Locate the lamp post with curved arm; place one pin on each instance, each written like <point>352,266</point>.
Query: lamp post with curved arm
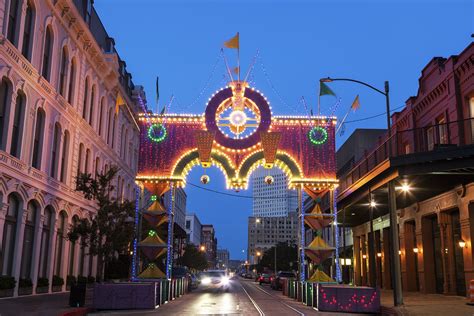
<point>392,206</point>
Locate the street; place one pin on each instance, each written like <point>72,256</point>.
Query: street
<point>244,297</point>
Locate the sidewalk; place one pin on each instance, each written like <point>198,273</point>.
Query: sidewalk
<point>418,304</point>
<point>37,305</point>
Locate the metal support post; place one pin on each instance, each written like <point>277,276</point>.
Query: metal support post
<point>395,262</point>
<point>301,237</point>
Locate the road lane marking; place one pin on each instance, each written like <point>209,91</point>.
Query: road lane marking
<point>253,302</point>
<point>269,294</point>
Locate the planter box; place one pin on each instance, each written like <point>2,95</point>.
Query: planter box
<point>42,289</point>
<point>57,288</point>
<point>25,291</point>
<point>6,293</point>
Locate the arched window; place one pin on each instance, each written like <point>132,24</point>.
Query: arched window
<point>109,127</point>
<point>28,240</point>
<point>106,167</point>
<point>97,166</point>
<point>55,150</point>
<point>28,31</point>
<point>122,140</point>
<point>47,53</point>
<point>86,94</point>
<point>5,95</point>
<point>63,72</point>
<point>64,157</point>
<point>88,157</point>
<point>60,237</point>
<point>101,112</point>
<point>38,139</point>
<point>72,82</point>
<point>13,17</point>
<point>91,107</point>
<point>9,234</point>
<point>72,247</point>
<point>113,130</point>
<point>17,130</point>
<point>45,237</point>
<point>79,159</point>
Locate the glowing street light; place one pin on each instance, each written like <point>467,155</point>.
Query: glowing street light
<point>202,248</point>
<point>462,243</point>
<point>258,253</point>
<point>373,203</point>
<point>405,188</point>
<point>257,220</point>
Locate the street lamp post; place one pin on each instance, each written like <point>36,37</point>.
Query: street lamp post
<point>392,203</point>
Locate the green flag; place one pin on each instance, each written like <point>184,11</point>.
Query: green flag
<point>325,90</point>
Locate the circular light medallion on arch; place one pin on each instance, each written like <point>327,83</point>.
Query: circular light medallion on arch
<point>157,133</point>
<point>237,114</point>
<point>318,135</point>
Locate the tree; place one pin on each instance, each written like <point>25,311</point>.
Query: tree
<point>193,258</point>
<point>110,230</point>
<point>287,258</point>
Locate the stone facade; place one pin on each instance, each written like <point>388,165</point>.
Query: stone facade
<point>60,80</point>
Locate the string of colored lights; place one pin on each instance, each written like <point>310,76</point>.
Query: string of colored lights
<point>135,239</point>
<point>270,82</point>
<point>169,254</point>
<point>336,237</point>
<point>204,88</point>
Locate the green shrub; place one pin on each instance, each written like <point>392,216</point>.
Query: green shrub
<point>42,282</point>
<point>57,280</point>
<point>81,279</point>
<point>7,282</point>
<point>90,279</point>
<point>25,283</point>
<point>70,280</point>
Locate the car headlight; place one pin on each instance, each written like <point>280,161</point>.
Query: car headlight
<point>206,281</point>
<point>225,280</point>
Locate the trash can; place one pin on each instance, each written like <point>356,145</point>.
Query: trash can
<point>77,295</point>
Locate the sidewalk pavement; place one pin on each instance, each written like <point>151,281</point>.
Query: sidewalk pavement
<point>419,304</point>
<point>39,305</point>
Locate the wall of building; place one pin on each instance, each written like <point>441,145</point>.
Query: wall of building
<point>193,229</point>
<point>265,232</point>
<point>82,131</point>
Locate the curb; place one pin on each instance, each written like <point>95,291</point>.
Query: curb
<point>81,311</point>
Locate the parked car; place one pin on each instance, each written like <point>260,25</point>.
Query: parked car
<point>264,278</point>
<point>277,281</point>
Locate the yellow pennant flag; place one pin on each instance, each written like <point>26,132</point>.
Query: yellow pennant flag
<point>355,104</point>
<point>118,102</point>
<point>233,42</point>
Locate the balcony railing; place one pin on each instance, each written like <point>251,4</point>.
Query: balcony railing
<point>432,138</point>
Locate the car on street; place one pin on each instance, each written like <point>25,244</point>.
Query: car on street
<point>215,279</point>
<point>264,278</point>
<point>278,280</point>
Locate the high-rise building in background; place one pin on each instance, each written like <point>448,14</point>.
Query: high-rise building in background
<point>67,106</point>
<point>209,241</point>
<point>193,229</point>
<point>179,206</point>
<point>271,199</point>
<point>222,259</point>
<point>266,232</point>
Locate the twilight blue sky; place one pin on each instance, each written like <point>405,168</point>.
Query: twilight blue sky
<point>299,42</point>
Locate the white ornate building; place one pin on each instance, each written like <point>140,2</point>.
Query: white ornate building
<point>60,80</point>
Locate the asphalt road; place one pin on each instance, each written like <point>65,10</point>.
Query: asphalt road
<point>244,297</point>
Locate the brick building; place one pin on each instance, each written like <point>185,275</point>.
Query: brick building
<point>431,167</point>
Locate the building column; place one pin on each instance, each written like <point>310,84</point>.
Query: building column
<point>465,221</point>
<point>409,277</point>
<point>420,257</point>
<point>52,253</point>
<point>364,261</point>
<point>357,261</point>
<point>426,264</point>
<point>11,117</point>
<point>403,256</point>
<point>21,30</point>
<point>65,259</point>
<point>20,234</point>
<point>36,252</point>
<point>387,273</point>
<point>3,214</point>
<point>378,260</point>
<point>444,222</point>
